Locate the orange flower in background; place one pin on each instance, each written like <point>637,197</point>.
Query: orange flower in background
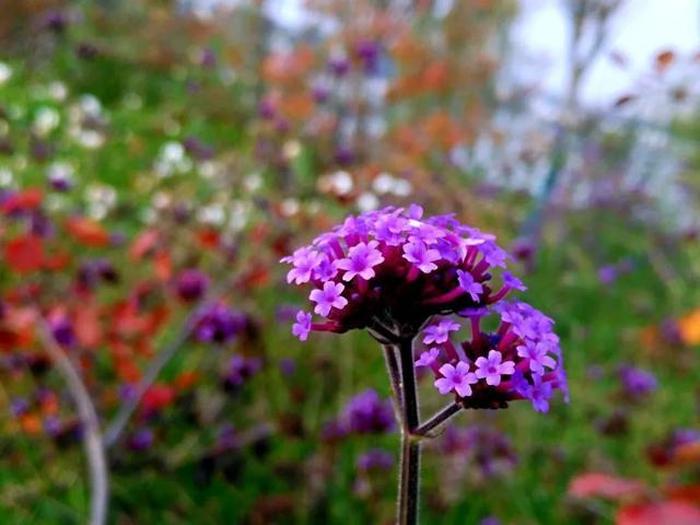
<point>87,231</point>
<point>689,327</point>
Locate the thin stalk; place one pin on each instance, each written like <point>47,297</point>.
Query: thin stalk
<point>392,366</point>
<point>118,424</point>
<point>409,474</point>
<point>438,419</point>
<point>90,425</point>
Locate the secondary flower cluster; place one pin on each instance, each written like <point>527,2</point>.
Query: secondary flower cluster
<point>390,270</point>
<point>520,360</point>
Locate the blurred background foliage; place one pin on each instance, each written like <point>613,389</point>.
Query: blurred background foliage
<point>140,139</point>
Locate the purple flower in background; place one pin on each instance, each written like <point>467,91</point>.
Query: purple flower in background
<point>240,369</point>
<point>367,413</point>
<point>637,383</point>
<point>339,66</point>
<point>361,260</point>
<point>440,332</point>
<point>375,459</point>
<point>302,327</point>
<point>62,330</point>
<point>217,323</point>
<point>428,358</point>
<point>607,274</point>
<point>140,440</point>
<point>18,406</point>
<point>456,378</point>
<point>329,297</point>
<point>191,284</point>
<point>492,368</point>
<point>469,285</point>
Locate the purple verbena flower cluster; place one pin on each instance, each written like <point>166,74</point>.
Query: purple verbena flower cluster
<point>521,359</point>
<point>392,269</point>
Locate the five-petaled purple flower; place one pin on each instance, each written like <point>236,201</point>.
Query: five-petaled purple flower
<point>329,297</point>
<point>361,260</point>
<point>440,333</point>
<point>457,378</point>
<point>469,285</point>
<point>537,354</point>
<point>302,327</point>
<point>492,368</point>
<point>305,261</point>
<point>418,253</point>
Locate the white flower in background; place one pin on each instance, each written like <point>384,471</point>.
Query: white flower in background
<point>385,184</point>
<point>291,149</point>
<point>208,169</point>
<point>340,183</point>
<point>60,171</point>
<point>90,138</point>
<point>6,178</point>
<point>58,91</point>
<point>5,73</point>
<point>212,214</point>
<point>172,160</point>
<point>368,201</point>
<point>240,213</point>
<point>46,120</point>
<point>253,182</point>
<point>402,188</point>
<point>289,207</point>
<point>100,200</point>
<point>90,106</point>
<point>161,200</point>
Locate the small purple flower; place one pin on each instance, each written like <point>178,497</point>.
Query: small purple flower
<point>302,327</point>
<point>537,354</point>
<point>512,282</point>
<point>540,393</point>
<point>304,261</point>
<point>361,260</point>
<point>217,323</point>
<point>457,378</point>
<point>329,297</point>
<point>375,459</point>
<point>62,330</point>
<point>607,274</point>
<point>469,285</point>
<point>140,440</point>
<point>326,269</point>
<point>440,333</point>
<point>428,358</point>
<point>240,369</point>
<point>492,368</point>
<point>367,413</point>
<point>419,254</point>
<point>637,383</point>
<point>191,284</point>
